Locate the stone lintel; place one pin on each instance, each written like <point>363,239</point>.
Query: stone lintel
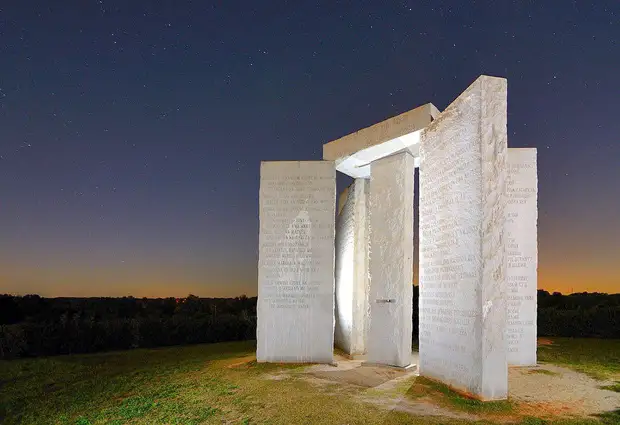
<point>354,153</point>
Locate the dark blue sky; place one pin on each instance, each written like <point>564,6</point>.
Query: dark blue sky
<point>131,133</point>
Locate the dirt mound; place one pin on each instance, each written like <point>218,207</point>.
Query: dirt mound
<point>368,377</point>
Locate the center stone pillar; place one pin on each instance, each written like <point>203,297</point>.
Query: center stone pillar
<point>391,260</point>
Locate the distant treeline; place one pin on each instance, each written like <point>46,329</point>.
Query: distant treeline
<point>579,315</point>
<point>36,326</point>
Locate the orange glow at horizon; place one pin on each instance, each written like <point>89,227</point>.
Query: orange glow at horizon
<point>151,283</point>
<point>176,282</point>
<point>578,278</point>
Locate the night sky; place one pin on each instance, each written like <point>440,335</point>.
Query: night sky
<point>131,132</point>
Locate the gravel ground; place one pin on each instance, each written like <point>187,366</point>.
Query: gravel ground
<point>562,390</point>
<point>545,390</point>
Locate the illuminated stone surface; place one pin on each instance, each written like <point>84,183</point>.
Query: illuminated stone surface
<point>296,262</point>
<point>522,254</point>
<point>462,242</point>
<point>391,260</point>
<point>352,280</point>
<point>354,153</point>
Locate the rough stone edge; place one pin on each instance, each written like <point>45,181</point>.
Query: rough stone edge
<point>493,145</point>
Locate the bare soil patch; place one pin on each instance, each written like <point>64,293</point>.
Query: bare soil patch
<point>561,391</point>
<point>368,377</point>
<point>542,391</point>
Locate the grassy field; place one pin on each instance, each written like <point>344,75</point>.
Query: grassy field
<point>599,358</point>
<point>220,383</point>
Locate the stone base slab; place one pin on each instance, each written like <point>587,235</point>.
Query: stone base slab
<point>373,364</point>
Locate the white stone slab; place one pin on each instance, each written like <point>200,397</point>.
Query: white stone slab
<point>522,254</point>
<point>296,262</point>
<point>391,260</point>
<point>352,278</point>
<point>462,243</point>
<point>354,153</point>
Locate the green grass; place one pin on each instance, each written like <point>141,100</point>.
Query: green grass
<point>599,358</point>
<point>611,418</point>
<point>543,372</point>
<point>424,386</point>
<point>603,420</point>
<point>192,385</point>
<point>504,411</point>
<point>219,383</point>
<point>170,385</point>
<point>613,387</point>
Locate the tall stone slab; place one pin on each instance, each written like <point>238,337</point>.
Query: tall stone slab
<point>462,302</point>
<point>522,253</point>
<point>391,260</point>
<point>296,262</point>
<point>352,279</point>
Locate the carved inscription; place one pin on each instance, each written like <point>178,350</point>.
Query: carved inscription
<point>449,257</point>
<point>462,254</point>
<point>521,249</point>
<point>296,261</point>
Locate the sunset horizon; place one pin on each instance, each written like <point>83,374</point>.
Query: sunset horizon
<point>309,212</point>
<point>132,136</point>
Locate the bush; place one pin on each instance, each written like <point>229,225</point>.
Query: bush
<point>77,335</point>
<point>12,341</point>
<point>35,326</point>
<point>599,322</point>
